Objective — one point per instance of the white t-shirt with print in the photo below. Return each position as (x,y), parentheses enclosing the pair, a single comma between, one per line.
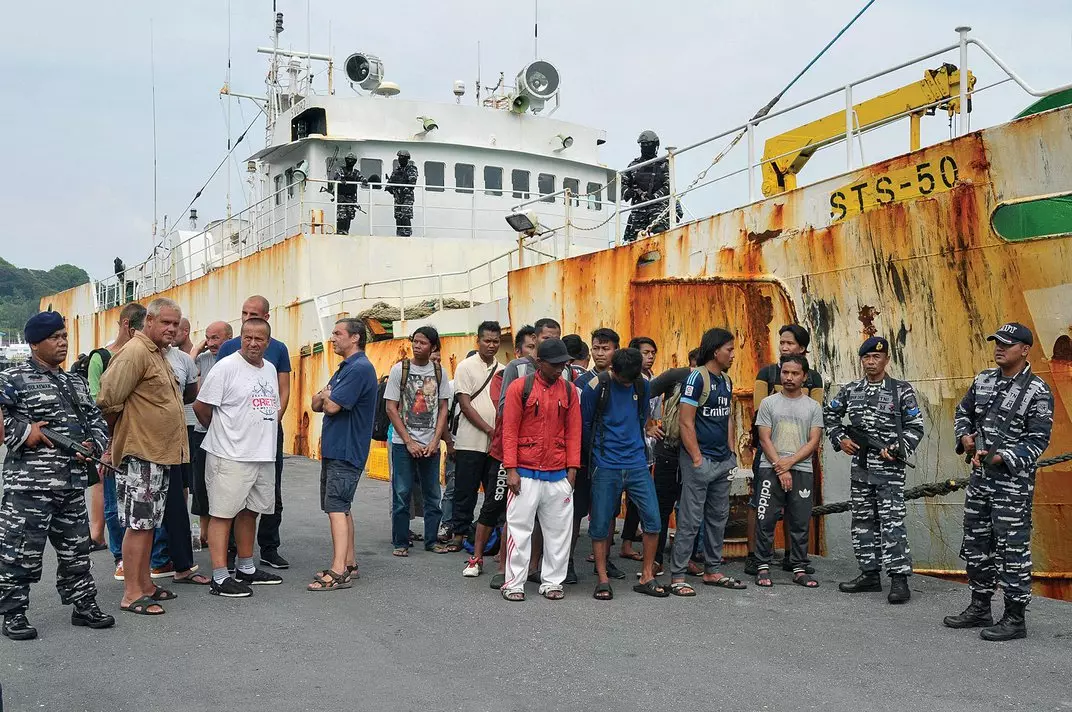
(419,406)
(244,420)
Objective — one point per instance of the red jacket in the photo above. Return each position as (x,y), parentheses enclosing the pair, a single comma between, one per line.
(547,435)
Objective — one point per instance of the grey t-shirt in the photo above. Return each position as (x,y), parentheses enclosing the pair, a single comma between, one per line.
(182,364)
(205,361)
(420,405)
(790,421)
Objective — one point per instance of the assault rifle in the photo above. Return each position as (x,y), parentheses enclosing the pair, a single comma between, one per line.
(861,437)
(72,447)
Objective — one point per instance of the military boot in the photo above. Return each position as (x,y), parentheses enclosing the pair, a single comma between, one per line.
(899,592)
(975,615)
(17,627)
(866,582)
(91,616)
(1011,625)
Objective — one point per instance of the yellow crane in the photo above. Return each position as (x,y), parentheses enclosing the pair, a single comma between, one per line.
(786,154)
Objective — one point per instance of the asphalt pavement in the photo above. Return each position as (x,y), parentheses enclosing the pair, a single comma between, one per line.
(412,634)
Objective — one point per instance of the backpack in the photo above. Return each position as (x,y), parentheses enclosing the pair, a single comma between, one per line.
(81,366)
(530,381)
(601,384)
(381,422)
(671,405)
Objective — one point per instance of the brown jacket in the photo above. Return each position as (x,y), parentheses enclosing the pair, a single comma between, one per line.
(140,386)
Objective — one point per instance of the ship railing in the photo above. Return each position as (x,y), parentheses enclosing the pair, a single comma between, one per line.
(738,184)
(310,207)
(479,284)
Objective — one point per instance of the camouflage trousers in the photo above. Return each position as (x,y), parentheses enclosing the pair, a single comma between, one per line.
(27,519)
(997,536)
(641,219)
(404,218)
(345,213)
(879,536)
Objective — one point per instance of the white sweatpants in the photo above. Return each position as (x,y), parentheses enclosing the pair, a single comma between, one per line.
(553,502)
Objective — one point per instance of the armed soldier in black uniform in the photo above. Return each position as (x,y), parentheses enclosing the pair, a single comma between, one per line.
(348,177)
(647,183)
(1002,426)
(44,485)
(885,426)
(400,185)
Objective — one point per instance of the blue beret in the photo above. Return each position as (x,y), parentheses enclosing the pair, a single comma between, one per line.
(876,344)
(41,326)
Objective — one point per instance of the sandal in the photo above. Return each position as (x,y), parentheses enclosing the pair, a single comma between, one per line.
(801,578)
(328,580)
(400,551)
(553,594)
(351,573)
(763,578)
(652,588)
(726,582)
(162,594)
(514,596)
(591,558)
(193,580)
(633,556)
(603,592)
(439,549)
(141,607)
(683,589)
(497,581)
(453,547)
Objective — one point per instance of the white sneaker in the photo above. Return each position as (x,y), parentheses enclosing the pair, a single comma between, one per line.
(473,567)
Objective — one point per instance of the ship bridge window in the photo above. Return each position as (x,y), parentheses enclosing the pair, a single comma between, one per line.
(573,185)
(310,121)
(493,180)
(434,176)
(519,181)
(595,196)
(278,189)
(545,183)
(1034,218)
(463,177)
(371,170)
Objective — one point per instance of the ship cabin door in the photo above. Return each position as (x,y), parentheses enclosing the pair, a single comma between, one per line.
(676,313)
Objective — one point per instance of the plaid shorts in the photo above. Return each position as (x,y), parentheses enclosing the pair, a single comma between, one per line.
(141,491)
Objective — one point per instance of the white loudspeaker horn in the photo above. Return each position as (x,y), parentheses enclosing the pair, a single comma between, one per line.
(519,104)
(365,70)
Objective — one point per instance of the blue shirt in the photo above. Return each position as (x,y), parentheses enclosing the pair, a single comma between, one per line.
(545,475)
(276,353)
(619,443)
(347,434)
(712,416)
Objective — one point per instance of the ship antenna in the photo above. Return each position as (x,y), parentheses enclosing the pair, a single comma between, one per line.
(152,81)
(227,81)
(535,29)
(478,72)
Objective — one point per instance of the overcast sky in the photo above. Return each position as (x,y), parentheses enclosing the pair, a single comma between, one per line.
(78,184)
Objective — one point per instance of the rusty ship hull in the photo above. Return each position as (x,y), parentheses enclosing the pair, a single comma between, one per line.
(905,248)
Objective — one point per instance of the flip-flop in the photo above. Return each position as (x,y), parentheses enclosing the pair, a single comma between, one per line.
(652,588)
(603,588)
(726,582)
(497,581)
(162,594)
(400,551)
(141,607)
(631,557)
(191,580)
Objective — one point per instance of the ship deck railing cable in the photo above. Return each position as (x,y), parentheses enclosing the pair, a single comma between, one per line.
(930,489)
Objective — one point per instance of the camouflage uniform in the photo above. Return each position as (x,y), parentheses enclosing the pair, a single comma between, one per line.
(877,488)
(403,194)
(44,487)
(347,179)
(644,184)
(997,504)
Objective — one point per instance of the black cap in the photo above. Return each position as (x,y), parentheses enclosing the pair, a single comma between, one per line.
(875,345)
(1013,333)
(553,351)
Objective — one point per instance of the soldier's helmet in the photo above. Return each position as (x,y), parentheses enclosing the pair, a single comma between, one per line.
(648,136)
(402,153)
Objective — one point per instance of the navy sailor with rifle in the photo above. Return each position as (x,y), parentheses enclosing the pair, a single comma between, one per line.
(45,479)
